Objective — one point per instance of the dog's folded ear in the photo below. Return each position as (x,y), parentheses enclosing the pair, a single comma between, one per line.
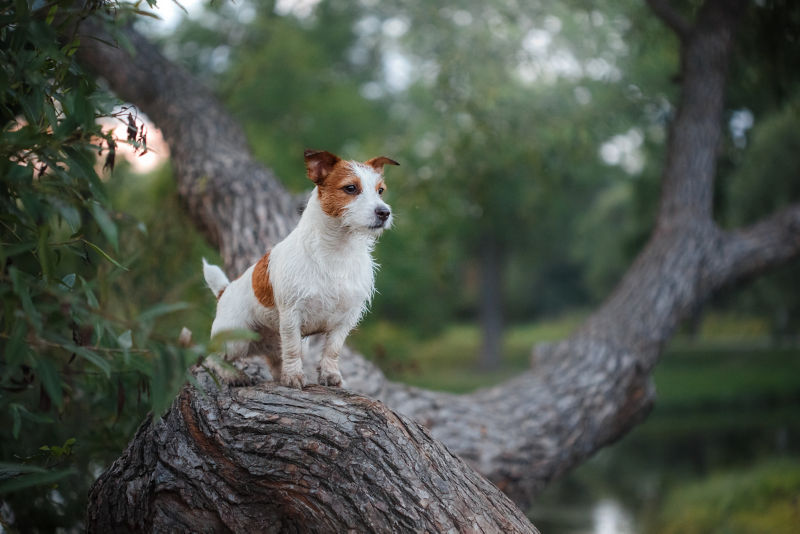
(379,162)
(319,164)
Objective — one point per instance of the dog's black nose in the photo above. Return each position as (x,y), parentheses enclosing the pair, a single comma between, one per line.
(382,213)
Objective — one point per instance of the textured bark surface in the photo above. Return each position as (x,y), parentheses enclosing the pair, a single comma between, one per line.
(274,459)
(580,394)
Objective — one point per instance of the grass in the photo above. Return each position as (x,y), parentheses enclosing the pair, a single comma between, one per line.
(764,498)
(448,361)
(729,375)
(729,362)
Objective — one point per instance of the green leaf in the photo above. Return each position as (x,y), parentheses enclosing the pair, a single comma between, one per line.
(162,309)
(91,357)
(146,13)
(70,215)
(218,341)
(29,479)
(16,421)
(51,380)
(90,298)
(19,248)
(125,340)
(107,226)
(105,255)
(68,281)
(18,411)
(10,470)
(51,15)
(21,284)
(17,348)
(43,251)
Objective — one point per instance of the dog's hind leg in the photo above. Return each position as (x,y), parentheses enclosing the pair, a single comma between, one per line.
(234,350)
(270,349)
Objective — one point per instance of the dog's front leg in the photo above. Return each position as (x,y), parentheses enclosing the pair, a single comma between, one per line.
(328,369)
(291,350)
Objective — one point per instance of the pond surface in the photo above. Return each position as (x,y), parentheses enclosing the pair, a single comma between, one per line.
(720,410)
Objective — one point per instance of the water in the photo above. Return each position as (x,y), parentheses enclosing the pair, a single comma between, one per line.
(718,412)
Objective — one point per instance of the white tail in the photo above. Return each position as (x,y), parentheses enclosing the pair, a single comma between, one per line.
(215,278)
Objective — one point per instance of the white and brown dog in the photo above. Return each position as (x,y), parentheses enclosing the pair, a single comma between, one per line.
(318,280)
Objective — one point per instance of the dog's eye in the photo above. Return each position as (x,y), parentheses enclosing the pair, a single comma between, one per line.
(380,190)
(350,189)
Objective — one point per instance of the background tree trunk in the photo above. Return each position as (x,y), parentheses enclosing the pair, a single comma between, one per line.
(580,394)
(490,303)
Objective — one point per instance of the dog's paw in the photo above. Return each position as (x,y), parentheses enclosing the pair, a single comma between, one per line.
(230,376)
(330,379)
(296,380)
(240,379)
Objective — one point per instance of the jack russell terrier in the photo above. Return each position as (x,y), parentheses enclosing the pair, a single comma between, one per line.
(318,280)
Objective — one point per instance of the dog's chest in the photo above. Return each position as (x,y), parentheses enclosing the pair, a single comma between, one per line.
(325,289)
(339,285)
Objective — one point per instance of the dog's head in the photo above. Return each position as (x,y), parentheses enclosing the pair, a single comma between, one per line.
(351,191)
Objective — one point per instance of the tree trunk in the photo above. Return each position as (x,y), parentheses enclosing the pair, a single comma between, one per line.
(491,303)
(580,394)
(274,459)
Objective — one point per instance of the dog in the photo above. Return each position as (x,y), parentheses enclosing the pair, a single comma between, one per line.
(319,280)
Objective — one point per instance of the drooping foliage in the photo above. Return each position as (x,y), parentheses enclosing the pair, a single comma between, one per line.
(78,368)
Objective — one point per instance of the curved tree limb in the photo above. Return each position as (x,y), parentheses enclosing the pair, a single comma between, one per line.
(748,252)
(580,394)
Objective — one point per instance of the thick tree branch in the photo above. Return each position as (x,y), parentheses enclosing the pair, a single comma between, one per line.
(695,134)
(747,252)
(274,459)
(674,20)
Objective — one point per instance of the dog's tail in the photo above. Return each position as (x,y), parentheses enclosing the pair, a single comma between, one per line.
(215,278)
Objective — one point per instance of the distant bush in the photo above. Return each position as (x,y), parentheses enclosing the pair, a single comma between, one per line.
(765,498)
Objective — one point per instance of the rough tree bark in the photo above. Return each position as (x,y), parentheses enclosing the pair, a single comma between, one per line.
(274,459)
(580,394)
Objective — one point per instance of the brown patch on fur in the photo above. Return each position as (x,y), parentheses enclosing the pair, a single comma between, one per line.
(332,197)
(221,291)
(319,164)
(262,287)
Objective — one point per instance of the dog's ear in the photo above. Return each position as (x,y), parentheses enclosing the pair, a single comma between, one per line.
(379,162)
(319,164)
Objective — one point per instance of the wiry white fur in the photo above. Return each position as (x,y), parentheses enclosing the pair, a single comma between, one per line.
(361,212)
(215,278)
(322,275)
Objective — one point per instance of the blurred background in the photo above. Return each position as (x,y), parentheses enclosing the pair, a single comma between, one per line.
(531,137)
